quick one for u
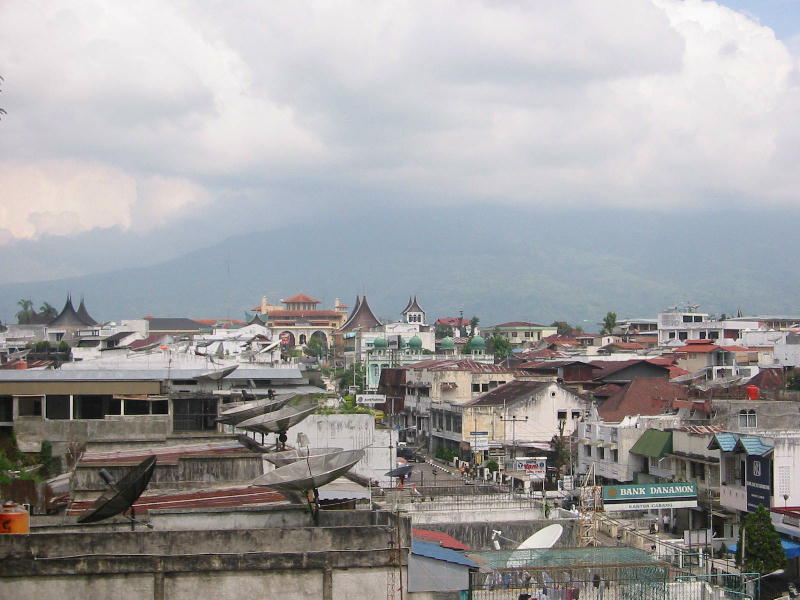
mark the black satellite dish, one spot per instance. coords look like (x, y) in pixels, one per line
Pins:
(121, 495)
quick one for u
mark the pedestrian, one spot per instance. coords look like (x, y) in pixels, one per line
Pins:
(665, 523)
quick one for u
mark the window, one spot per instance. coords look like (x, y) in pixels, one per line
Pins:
(672, 335)
(682, 335)
(698, 319)
(713, 335)
(702, 335)
(588, 450)
(698, 471)
(513, 334)
(476, 387)
(484, 387)
(615, 455)
(576, 414)
(562, 415)
(747, 418)
(527, 334)
(687, 318)
(601, 453)
(30, 406)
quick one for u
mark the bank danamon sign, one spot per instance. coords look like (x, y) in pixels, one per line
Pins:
(649, 496)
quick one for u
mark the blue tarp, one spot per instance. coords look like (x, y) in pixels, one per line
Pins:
(791, 549)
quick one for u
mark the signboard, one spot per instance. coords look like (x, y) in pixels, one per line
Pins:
(567, 483)
(759, 478)
(698, 537)
(286, 338)
(480, 433)
(497, 452)
(370, 399)
(649, 496)
(480, 444)
(535, 468)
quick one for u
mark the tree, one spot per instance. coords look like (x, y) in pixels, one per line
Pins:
(48, 311)
(499, 346)
(355, 374)
(26, 312)
(760, 543)
(315, 347)
(564, 328)
(609, 322)
(473, 325)
(443, 330)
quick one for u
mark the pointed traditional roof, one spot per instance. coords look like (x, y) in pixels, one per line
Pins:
(256, 320)
(84, 314)
(353, 312)
(407, 306)
(68, 317)
(362, 317)
(412, 306)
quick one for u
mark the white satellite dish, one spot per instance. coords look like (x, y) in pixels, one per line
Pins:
(544, 538)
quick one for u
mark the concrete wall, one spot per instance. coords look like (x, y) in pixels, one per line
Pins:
(31, 432)
(353, 432)
(188, 472)
(430, 575)
(347, 561)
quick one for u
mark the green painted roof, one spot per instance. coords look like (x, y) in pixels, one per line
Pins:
(379, 343)
(477, 343)
(654, 442)
(447, 344)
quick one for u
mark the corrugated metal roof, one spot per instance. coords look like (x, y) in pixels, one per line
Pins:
(74, 374)
(653, 442)
(723, 441)
(439, 553)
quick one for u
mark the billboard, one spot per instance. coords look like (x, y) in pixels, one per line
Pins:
(759, 480)
(649, 496)
(535, 468)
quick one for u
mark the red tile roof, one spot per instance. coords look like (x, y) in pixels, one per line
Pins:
(150, 340)
(452, 321)
(642, 396)
(273, 314)
(444, 540)
(703, 347)
(609, 367)
(458, 365)
(301, 298)
(213, 322)
(625, 345)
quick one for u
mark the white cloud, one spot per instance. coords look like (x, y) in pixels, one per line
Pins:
(65, 197)
(629, 102)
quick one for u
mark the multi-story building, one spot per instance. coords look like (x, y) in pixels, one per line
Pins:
(520, 332)
(683, 324)
(299, 320)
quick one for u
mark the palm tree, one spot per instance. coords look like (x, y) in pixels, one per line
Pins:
(48, 311)
(26, 313)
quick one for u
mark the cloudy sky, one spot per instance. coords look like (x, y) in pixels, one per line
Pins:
(158, 117)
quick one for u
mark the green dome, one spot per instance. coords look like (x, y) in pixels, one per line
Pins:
(380, 344)
(447, 344)
(477, 343)
(415, 343)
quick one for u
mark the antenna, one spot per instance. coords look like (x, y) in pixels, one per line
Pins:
(121, 495)
(281, 420)
(253, 408)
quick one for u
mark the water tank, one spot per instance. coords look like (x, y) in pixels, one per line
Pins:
(752, 392)
(14, 519)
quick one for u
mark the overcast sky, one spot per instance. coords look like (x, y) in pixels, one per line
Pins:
(149, 115)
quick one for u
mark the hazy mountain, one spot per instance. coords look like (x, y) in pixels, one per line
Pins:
(501, 264)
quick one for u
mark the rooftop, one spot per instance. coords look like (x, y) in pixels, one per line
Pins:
(301, 298)
(642, 396)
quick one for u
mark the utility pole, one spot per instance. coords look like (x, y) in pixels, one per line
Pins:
(513, 420)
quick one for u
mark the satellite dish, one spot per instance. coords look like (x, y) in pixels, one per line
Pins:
(281, 459)
(254, 408)
(544, 538)
(400, 471)
(121, 495)
(299, 478)
(280, 420)
(217, 374)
